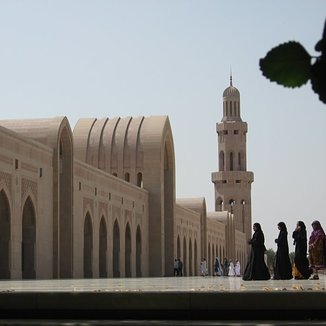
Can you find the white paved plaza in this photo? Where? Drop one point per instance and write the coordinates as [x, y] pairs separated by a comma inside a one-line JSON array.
[[163, 284], [170, 298]]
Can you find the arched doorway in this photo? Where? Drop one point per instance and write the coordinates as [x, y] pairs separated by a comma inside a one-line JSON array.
[[4, 236], [128, 251], [184, 256], [190, 258], [178, 247], [28, 240], [88, 247], [195, 258], [138, 252], [116, 250], [103, 249]]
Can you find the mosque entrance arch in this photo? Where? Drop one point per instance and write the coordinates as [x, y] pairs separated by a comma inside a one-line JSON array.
[[116, 250], [190, 258], [178, 247], [28, 240], [138, 252], [103, 249], [128, 251], [185, 257], [88, 247], [4, 236]]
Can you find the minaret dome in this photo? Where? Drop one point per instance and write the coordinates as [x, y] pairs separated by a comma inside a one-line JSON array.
[[231, 103]]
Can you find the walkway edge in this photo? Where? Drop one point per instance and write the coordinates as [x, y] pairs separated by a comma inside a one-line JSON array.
[[167, 305]]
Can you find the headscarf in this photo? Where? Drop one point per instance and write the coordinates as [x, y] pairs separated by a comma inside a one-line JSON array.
[[282, 226], [302, 226], [257, 225], [317, 233], [302, 233]]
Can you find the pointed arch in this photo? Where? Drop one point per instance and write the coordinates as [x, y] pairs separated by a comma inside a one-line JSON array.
[[138, 252], [190, 258], [140, 179], [221, 256], [88, 246], [5, 221], [28, 240], [128, 251], [178, 247], [221, 161], [116, 249], [232, 204], [231, 161], [103, 249], [219, 206], [185, 257]]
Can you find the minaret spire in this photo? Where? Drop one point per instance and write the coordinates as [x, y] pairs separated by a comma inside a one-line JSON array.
[[231, 76]]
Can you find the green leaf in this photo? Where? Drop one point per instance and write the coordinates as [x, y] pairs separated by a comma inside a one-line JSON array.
[[287, 64]]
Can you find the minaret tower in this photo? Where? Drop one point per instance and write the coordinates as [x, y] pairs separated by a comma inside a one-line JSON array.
[[233, 181]]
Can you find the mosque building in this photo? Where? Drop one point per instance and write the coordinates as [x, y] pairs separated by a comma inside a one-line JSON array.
[[100, 200]]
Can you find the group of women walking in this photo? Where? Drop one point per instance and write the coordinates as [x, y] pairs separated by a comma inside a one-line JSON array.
[[302, 268]]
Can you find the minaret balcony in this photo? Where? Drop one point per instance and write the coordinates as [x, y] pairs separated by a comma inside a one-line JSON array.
[[233, 177]]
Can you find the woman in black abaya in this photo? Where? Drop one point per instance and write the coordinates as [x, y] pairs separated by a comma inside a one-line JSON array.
[[301, 268], [282, 268], [256, 268]]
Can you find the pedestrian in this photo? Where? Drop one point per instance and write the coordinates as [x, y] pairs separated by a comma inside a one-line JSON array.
[[217, 268], [317, 249], [237, 268], [231, 268], [282, 264], [226, 266], [256, 268], [203, 267], [176, 269], [301, 268]]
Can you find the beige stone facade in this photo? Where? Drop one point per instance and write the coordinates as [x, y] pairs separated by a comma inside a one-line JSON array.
[[100, 201]]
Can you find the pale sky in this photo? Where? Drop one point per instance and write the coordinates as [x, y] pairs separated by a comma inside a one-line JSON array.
[[130, 58]]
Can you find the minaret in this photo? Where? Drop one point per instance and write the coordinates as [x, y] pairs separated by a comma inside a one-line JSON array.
[[232, 181]]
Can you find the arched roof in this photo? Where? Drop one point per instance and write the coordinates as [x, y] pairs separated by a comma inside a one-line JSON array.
[[120, 142], [218, 216], [46, 131], [197, 204]]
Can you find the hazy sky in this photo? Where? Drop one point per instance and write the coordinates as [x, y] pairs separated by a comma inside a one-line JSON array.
[[131, 58]]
